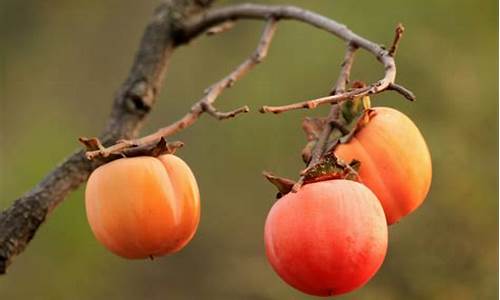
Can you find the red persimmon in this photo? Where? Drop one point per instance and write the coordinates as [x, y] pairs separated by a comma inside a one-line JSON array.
[[328, 238]]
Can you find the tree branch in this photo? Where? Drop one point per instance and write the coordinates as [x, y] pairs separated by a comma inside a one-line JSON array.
[[174, 23], [345, 72], [403, 91], [203, 105], [397, 38], [256, 11], [313, 103]]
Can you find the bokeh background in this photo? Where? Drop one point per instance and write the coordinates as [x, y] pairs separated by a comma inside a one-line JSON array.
[[61, 62]]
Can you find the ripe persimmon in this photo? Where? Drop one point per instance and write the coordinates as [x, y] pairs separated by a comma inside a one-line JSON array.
[[143, 206], [395, 161], [328, 238]]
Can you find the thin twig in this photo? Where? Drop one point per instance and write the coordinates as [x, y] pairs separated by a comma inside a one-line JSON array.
[[397, 38], [345, 72], [313, 103], [337, 96], [257, 11], [403, 91], [203, 105]]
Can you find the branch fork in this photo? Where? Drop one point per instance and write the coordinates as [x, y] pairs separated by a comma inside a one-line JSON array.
[[205, 105]]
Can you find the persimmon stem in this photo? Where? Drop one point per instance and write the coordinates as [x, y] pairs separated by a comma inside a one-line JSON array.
[[332, 119]]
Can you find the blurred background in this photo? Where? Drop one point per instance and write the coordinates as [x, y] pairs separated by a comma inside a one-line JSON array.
[[62, 61]]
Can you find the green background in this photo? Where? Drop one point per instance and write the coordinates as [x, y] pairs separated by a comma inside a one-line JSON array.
[[62, 61]]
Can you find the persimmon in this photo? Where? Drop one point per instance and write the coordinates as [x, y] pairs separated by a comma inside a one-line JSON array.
[[328, 238], [143, 206], [395, 161]]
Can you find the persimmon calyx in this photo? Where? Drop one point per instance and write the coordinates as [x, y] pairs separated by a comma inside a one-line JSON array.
[[95, 148], [155, 149], [331, 167]]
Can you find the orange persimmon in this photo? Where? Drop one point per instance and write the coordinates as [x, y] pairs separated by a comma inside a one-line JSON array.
[[143, 206], [395, 161]]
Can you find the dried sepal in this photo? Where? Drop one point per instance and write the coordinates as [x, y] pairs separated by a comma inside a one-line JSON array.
[[156, 149], [308, 150], [96, 149], [91, 144], [284, 185]]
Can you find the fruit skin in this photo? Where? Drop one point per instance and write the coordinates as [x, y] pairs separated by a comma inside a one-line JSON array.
[[328, 238], [395, 161], [143, 206]]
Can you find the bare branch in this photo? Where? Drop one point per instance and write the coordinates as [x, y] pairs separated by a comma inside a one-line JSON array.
[[345, 72], [313, 103], [397, 38], [403, 91], [256, 11], [211, 110], [203, 105]]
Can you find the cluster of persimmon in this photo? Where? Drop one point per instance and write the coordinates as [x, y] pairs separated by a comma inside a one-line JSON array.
[[327, 238], [330, 237]]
